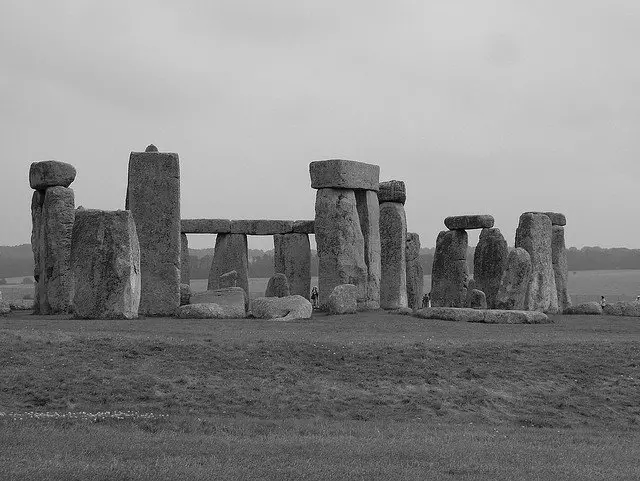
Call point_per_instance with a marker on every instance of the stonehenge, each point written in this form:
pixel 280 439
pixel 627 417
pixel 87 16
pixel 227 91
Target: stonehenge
pixel 489 263
pixel 292 257
pixel 415 272
pixel 449 274
pixel 393 241
pixel 230 254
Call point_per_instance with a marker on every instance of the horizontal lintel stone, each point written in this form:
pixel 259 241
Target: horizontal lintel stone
pixel 205 226
pixel 466 222
pixel 392 191
pixel 344 174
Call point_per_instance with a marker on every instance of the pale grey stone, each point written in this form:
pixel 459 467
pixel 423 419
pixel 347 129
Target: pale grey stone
pixel 51 173
pixel 36 245
pixel 231 301
pixel 202 311
pixel 488 316
pixel 459 314
pixel 105 261
pixel 185 268
pixel 557 218
pixel 230 254
pixel 449 274
pixel 343 300
pixel 344 174
pixel 185 294
pixel 261 226
pixel 153 196
pixel 489 263
pixel 466 222
pixel 393 240
pixel 560 267
pixel 586 308
pixel 622 308
pixel 277 286
pixel 415 274
pixel 534 234
pixel 292 257
pixel 369 216
pixel 476 299
pixel 281 308
pixel 228 279
pixel 304 227
pixel 21 304
pixel 205 226
pixel 496 316
pixel 392 191
pixel 515 281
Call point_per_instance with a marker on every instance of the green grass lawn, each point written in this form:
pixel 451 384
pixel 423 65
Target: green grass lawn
pixel 367 396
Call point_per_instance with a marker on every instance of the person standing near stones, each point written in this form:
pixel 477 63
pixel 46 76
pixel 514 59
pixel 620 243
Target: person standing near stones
pixel 426 300
pixel 314 297
pixel 603 301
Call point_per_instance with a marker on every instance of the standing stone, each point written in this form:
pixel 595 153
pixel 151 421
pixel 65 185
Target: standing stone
pixel 230 254
pixel 534 234
pixel 489 263
pixel 55 282
pixel 512 294
pixel 369 215
pixel 292 257
pixel 105 260
pixel 449 274
pixel 393 242
pixel 392 191
pixel 228 279
pixel 185 274
pixel 560 267
pixel 36 225
pixel 278 286
pixel 476 299
pixel 415 273
pixel 153 196
pixel 340 244
pixel 343 300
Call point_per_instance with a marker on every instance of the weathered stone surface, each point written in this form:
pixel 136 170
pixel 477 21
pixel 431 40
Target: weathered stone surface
pixel 55 280
pixel 205 226
pixel 185 268
pixel 476 299
pixel 515 281
pixel 281 308
pixel 278 286
pixel 304 227
pixel 231 301
pixel 586 308
pixel 459 314
pixel 489 263
pixel 392 191
pixel 202 311
pixel 153 196
pixel 151 148
pixel 21 304
pixel 415 272
pixel 449 274
pixel 185 294
pixel 493 316
pixel 393 241
pixel 534 234
pixel 261 227
pixel 622 308
pixel 369 216
pixel 230 254
pixel 557 218
pixel 560 267
pixel 4 309
pixel 343 299
pixel 340 244
pixel 496 316
pixel 228 279
pixel 466 222
pixel 344 174
pixel 36 228
pixel 105 261
pixel 51 173
pixel 292 257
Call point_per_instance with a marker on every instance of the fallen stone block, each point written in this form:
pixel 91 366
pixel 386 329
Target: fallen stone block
pixel 490 316
pixel 392 191
pixel 277 286
pixel 343 300
pixel 281 308
pixel 261 227
pixel 496 316
pixel 231 300
pixel 51 173
pixel 205 226
pixel 459 314
pixel 344 174
pixel 466 222
pixel 202 311
pixel 586 308
pixel 21 304
pixel 622 308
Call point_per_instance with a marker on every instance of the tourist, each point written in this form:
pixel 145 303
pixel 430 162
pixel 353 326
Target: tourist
pixel 603 301
pixel 314 297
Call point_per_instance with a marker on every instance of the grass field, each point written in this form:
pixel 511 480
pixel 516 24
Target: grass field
pixel 370 396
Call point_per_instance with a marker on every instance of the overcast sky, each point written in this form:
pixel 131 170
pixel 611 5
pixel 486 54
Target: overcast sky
pixel 480 106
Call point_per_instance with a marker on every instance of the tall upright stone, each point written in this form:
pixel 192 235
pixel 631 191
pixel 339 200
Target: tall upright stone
pixel 514 286
pixel 560 267
pixel 36 227
pixel 292 257
pixel 185 273
pixel 230 254
pixel 105 263
pixel 449 274
pixel 489 263
pixel 415 273
pixel 393 241
pixel 534 234
pixel 369 214
pixel 153 197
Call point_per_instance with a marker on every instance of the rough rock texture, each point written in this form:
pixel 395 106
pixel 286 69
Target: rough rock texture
pixel 281 308
pixel 228 279
pixel 466 222
pixel 449 274
pixel 205 226
pixel 292 257
pixel 393 242
pixel 630 309
pixel 369 216
pixel 278 286
pixel 206 311
pixel 415 272
pixel 36 228
pixel 557 218
pixel 497 316
pixel 230 254
pixel 185 294
pixel 459 314
pixel 55 280
pixel 21 304
pixel 344 174
pixel 476 299
pixel 51 173
pixel 343 300
pixel 4 309
pixel 304 227
pixel 261 227
pixel 534 234
pixel 231 300
pixel 185 274
pixel 593 308
pixel 560 267
pixel 340 244
pixel 392 191
pixel 515 281
pixel 493 316
pixel 105 261
pixel 153 196
pixel 489 263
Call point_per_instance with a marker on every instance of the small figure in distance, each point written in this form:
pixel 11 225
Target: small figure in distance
pixel 638 299
pixel 314 297
pixel 603 301
pixel 426 300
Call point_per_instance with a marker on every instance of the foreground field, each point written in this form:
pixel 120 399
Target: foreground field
pixel 372 396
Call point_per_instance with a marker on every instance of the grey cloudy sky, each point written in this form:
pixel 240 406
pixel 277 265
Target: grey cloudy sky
pixel 480 106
